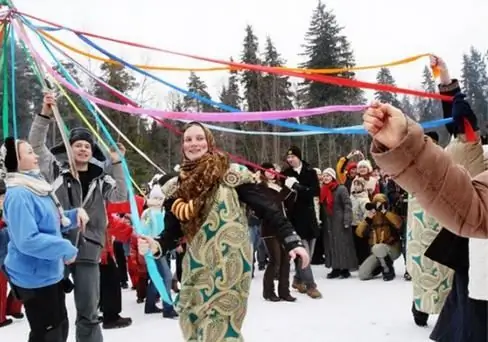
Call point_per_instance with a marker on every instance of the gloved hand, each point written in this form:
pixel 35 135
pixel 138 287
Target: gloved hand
pixel 462 110
pixel 290 181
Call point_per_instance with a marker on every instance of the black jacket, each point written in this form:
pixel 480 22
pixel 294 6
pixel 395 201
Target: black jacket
pixel 252 195
pixel 302 215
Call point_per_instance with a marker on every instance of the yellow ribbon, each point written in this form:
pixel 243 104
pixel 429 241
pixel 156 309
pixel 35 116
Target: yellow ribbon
pixel 90 127
pixel 166 68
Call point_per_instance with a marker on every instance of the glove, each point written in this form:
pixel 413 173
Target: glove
pixel 462 110
pixel 290 181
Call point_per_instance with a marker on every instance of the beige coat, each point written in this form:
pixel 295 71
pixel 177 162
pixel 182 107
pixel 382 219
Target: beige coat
pixel 432 281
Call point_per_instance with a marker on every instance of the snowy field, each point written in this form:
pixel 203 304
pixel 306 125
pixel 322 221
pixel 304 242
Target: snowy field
pixel 350 310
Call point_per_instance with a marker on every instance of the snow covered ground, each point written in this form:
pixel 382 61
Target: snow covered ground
pixel 350 310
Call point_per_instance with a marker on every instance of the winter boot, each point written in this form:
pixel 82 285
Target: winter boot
pixel 288 298
pixel 8 321
pixel 388 269
pixel 117 323
pixel 314 293
pixel 336 273
pixel 344 274
pixel 170 313
pixel 272 297
pixel 420 318
pixel 300 287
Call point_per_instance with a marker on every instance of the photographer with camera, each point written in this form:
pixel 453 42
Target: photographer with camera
pixel 382 229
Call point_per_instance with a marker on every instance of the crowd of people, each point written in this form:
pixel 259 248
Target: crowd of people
pixel 69 230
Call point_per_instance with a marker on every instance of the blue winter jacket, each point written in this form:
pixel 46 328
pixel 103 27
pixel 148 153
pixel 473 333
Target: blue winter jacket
pixel 36 250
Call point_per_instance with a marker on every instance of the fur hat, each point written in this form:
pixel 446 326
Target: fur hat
pixel 367 164
pixel 330 171
pixel 294 151
pixel 77 134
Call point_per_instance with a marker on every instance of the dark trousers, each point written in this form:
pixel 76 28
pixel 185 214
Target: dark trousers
pixel 121 261
pixel 110 292
pixel 46 313
pixel 278 261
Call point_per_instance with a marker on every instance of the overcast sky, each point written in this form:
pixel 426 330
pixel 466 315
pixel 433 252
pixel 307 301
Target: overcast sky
pixel 379 30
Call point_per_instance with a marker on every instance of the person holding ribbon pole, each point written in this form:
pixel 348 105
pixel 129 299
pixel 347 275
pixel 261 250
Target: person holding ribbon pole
pixel 88 186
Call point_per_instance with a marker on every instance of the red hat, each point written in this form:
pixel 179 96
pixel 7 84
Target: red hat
pixel 351 165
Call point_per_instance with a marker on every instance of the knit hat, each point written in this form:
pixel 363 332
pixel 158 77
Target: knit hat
pixel 365 163
pixel 77 134
pixel 351 165
pixel 294 151
pixel 267 166
pixel 10 155
pixel 330 171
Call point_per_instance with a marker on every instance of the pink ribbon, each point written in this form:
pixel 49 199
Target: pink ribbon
pixel 203 117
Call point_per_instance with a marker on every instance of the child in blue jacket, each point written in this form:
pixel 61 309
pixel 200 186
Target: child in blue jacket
pixel 37 252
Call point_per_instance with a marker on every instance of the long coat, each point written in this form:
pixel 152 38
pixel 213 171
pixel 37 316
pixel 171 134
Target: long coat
pixel 339 243
pixel 303 215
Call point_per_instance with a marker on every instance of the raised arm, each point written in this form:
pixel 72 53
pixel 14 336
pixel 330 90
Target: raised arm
pixel 37 138
pixel 444 189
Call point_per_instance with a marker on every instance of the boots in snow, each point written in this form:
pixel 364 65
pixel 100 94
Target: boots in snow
pixel 5 323
pixel 117 323
pixel 388 269
pixel 420 318
pixel 335 273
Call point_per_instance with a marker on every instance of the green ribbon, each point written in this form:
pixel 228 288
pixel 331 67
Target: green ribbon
pixel 5 109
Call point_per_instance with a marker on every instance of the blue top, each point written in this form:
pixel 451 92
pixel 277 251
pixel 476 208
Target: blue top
pixel 36 250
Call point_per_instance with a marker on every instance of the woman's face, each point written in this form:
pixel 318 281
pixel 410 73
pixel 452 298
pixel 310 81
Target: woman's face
pixel 194 143
pixel 327 178
pixel 28 160
pixel 363 170
pixel 269 175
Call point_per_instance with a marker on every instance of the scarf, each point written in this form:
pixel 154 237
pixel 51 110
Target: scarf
pixel 38 185
pixel 198 184
pixel 327 196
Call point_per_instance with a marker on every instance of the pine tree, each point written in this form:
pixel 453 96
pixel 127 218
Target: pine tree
pixel 384 77
pixel 196 85
pixel 276 89
pixel 475 83
pixel 132 126
pixel 428 109
pixel 28 92
pixel 327 47
pixel 251 80
pixel 407 107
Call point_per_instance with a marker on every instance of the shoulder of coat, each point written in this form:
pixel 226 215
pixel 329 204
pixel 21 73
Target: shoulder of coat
pixel 237 175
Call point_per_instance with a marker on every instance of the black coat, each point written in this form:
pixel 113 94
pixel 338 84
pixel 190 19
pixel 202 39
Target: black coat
pixel 251 194
pixel 302 215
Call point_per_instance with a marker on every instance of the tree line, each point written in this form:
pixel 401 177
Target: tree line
pixel 325 46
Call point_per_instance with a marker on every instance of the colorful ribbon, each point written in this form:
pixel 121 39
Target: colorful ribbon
pixel 402 61
pixel 13 77
pixel 312 77
pixel 128 101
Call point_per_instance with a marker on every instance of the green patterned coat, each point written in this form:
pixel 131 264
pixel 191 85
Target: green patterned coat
pixel 217 267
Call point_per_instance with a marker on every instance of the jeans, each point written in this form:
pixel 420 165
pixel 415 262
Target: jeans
pixel 305 275
pixel 152 292
pixel 258 245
